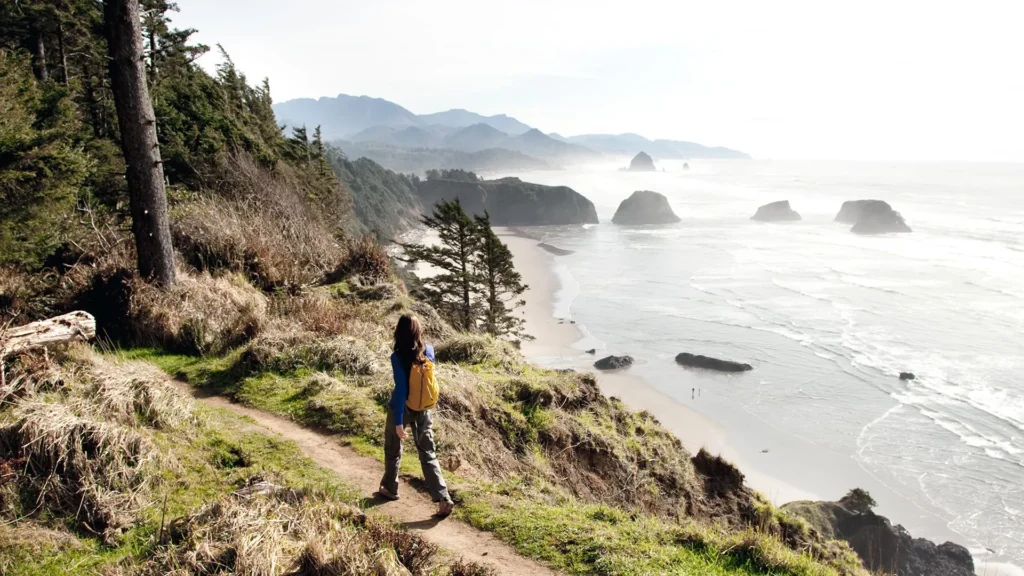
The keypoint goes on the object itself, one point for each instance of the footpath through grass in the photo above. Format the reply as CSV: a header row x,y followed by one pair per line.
x,y
538,521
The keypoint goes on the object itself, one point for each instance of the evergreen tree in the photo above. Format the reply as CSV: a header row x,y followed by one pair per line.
x,y
318,150
451,290
501,285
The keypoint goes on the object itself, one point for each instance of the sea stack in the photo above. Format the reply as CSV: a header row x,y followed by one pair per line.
x,y
708,363
776,212
645,207
641,163
871,217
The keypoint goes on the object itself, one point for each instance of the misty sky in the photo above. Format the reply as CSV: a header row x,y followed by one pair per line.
x,y
895,80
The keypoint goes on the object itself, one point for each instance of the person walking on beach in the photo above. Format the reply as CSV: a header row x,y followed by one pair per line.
x,y
414,395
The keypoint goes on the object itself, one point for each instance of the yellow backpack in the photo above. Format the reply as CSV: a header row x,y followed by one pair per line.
x,y
423,391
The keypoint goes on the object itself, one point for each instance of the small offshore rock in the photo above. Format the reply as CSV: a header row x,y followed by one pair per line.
x,y
698,361
613,362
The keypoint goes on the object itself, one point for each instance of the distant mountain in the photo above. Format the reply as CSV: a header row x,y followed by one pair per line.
x,y
363,121
475,138
462,118
540,145
343,115
408,137
632,144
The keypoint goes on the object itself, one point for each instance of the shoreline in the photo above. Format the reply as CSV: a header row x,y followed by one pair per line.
x,y
560,343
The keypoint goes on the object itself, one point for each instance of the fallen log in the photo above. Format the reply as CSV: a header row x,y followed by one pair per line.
x,y
76,325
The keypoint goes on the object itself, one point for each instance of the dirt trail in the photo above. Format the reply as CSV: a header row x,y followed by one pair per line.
x,y
414,509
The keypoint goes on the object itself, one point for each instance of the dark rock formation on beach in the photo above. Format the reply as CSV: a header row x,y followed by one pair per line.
x,y
645,207
907,376
776,212
641,163
882,546
613,362
592,351
697,361
512,202
871,217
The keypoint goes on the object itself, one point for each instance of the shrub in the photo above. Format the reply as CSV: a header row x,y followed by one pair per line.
x,y
364,258
477,349
198,315
288,349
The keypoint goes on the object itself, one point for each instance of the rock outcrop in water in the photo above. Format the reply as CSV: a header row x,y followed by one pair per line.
x,y
871,217
882,546
641,163
645,207
512,202
613,362
776,212
907,376
698,361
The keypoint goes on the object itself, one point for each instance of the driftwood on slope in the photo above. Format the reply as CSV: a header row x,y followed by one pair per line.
x,y
76,325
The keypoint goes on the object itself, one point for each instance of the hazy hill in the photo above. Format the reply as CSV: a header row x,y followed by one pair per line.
x,y
343,115
408,137
540,145
475,138
460,118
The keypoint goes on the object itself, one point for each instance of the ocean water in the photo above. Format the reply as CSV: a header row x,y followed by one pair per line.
x,y
829,319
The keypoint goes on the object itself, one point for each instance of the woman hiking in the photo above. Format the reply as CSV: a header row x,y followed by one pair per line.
x,y
412,362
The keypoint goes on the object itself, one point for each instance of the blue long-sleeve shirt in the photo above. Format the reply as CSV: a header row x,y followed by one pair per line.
x,y
401,392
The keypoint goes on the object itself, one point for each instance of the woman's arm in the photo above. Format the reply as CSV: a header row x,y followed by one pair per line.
x,y
401,392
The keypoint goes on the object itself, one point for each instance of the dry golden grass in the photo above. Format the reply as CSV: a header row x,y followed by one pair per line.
x,y
198,315
77,465
287,348
274,250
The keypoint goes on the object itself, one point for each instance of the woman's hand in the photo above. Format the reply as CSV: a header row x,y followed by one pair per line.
x,y
400,430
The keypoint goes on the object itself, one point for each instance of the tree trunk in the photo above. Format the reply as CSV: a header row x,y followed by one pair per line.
x,y
74,326
146,195
39,54
62,53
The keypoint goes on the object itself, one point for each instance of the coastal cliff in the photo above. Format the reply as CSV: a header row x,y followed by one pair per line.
x,y
881,545
512,202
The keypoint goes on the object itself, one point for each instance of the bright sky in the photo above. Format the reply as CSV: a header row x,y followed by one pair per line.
x,y
885,80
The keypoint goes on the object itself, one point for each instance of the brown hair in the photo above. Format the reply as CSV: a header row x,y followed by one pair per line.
x,y
409,340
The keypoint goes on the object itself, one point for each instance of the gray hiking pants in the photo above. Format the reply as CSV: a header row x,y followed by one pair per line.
x,y
423,436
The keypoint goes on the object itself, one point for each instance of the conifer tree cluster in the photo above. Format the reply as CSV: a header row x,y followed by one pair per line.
x,y
476,286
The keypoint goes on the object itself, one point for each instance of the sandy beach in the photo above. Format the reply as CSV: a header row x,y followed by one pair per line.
x,y
559,342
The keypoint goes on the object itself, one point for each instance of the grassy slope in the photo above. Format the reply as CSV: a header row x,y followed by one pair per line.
x,y
539,520
205,458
